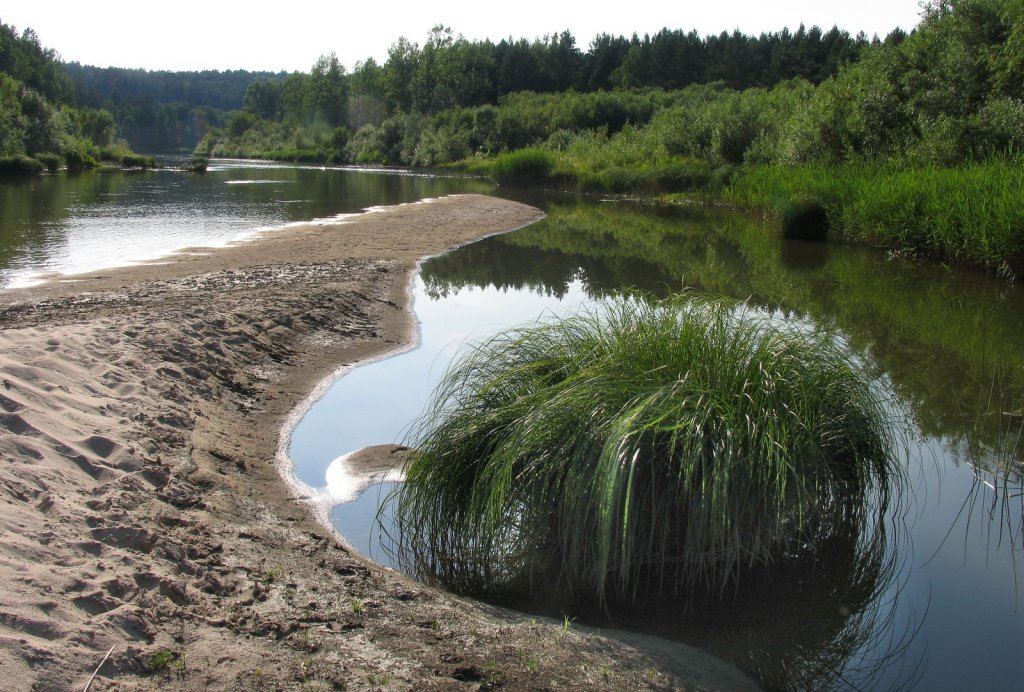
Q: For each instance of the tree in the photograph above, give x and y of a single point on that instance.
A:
(327, 91)
(399, 71)
(13, 124)
(263, 99)
(367, 94)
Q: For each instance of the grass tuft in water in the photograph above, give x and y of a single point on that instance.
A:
(641, 447)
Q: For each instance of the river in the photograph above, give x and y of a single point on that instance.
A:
(943, 608)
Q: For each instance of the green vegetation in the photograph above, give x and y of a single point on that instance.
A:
(642, 448)
(20, 165)
(912, 143)
(880, 141)
(197, 164)
(523, 166)
(972, 213)
(40, 119)
(161, 660)
(159, 111)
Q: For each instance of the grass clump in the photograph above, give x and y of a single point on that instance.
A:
(196, 164)
(641, 447)
(137, 161)
(803, 218)
(20, 165)
(525, 166)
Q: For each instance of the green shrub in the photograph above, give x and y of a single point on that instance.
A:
(77, 159)
(53, 162)
(296, 155)
(137, 161)
(196, 164)
(641, 447)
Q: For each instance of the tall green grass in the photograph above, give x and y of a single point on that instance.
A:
(641, 447)
(532, 166)
(972, 214)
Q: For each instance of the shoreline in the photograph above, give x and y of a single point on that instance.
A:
(321, 505)
(142, 415)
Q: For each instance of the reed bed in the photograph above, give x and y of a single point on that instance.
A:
(972, 214)
(641, 447)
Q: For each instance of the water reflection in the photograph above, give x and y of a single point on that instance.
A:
(76, 223)
(948, 341)
(826, 615)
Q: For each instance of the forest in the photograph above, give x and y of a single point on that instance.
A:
(890, 140)
(42, 125)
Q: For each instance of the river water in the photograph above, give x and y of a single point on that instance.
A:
(942, 608)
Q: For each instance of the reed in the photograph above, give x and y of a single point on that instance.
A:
(971, 214)
(641, 447)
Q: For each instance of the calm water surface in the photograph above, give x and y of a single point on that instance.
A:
(939, 606)
(940, 603)
(70, 224)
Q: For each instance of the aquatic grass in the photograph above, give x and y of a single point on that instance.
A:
(641, 447)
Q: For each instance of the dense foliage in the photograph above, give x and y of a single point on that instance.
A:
(435, 94)
(161, 111)
(949, 92)
(40, 123)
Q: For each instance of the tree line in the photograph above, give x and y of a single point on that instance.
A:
(949, 92)
(449, 71)
(162, 111)
(39, 115)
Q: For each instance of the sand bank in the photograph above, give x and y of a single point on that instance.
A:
(141, 507)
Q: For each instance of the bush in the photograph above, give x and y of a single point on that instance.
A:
(642, 447)
(77, 160)
(53, 162)
(296, 155)
(137, 161)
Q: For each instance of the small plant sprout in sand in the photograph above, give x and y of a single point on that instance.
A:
(642, 447)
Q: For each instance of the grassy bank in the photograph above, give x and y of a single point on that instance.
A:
(972, 214)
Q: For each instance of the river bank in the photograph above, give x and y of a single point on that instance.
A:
(143, 512)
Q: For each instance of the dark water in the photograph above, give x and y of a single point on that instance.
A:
(932, 599)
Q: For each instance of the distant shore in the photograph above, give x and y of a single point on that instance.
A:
(143, 512)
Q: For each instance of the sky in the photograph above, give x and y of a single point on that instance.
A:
(291, 35)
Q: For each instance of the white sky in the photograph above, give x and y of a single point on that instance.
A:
(291, 35)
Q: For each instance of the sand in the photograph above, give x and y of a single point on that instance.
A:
(142, 511)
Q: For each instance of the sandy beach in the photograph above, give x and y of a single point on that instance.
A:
(143, 512)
